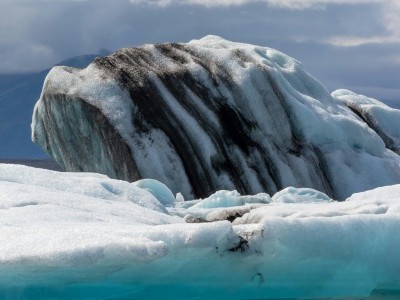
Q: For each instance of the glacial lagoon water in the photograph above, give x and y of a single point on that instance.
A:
(142, 291)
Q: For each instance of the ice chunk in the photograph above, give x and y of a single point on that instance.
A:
(384, 120)
(179, 198)
(230, 198)
(222, 205)
(157, 189)
(299, 195)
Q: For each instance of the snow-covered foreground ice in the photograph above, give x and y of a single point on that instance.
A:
(81, 236)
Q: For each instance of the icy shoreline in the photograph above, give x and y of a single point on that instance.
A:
(84, 235)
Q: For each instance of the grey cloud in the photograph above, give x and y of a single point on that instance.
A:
(36, 34)
(291, 4)
(389, 15)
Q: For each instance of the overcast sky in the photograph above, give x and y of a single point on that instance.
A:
(353, 44)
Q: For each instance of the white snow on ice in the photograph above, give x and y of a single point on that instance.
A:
(82, 231)
(310, 101)
(386, 117)
(92, 85)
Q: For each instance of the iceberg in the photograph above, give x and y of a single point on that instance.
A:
(86, 236)
(212, 115)
(157, 189)
(383, 119)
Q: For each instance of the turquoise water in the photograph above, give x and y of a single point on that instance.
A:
(95, 291)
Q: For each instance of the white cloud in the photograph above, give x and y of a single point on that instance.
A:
(306, 4)
(354, 41)
(291, 4)
(390, 12)
(24, 54)
(207, 3)
(390, 15)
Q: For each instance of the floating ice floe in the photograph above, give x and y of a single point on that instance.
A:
(81, 235)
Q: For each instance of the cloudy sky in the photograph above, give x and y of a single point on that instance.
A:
(353, 44)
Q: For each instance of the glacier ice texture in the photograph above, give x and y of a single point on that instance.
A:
(86, 236)
(213, 115)
(384, 120)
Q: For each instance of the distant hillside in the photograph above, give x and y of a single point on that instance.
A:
(18, 95)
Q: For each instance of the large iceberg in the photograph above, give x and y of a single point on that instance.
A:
(86, 236)
(214, 115)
